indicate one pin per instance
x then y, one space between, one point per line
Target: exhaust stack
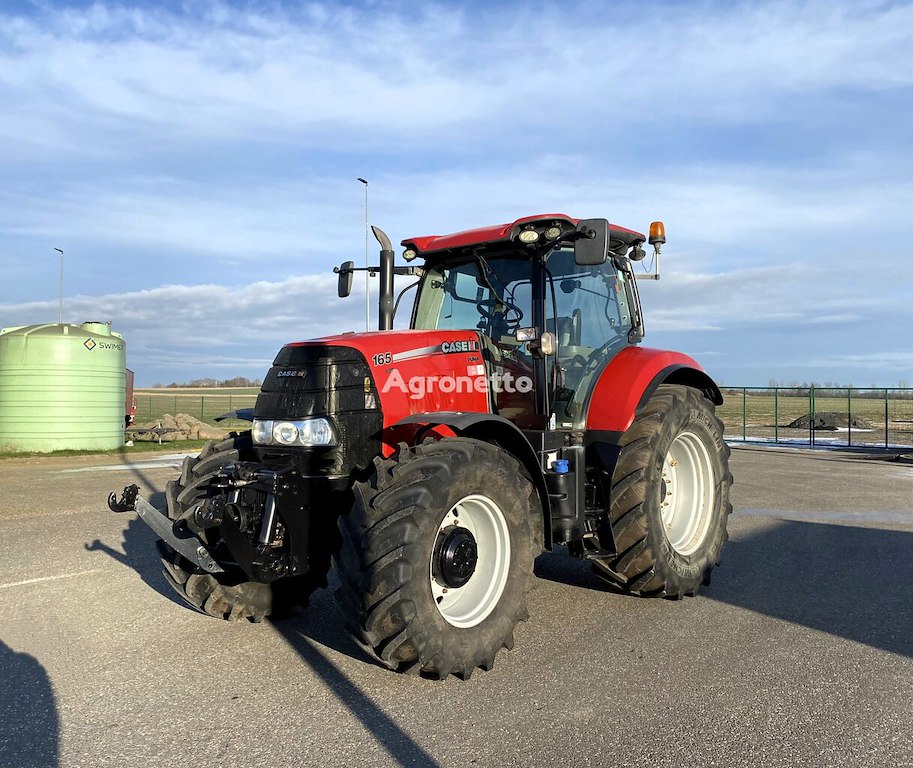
385 295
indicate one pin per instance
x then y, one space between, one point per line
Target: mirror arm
375 270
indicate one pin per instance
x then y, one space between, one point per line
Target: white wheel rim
687 493
471 604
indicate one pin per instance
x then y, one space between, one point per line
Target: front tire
670 497
437 557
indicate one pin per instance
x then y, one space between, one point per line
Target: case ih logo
449 347
89 344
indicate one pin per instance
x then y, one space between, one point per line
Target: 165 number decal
382 358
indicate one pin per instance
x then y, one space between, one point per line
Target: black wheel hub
455 556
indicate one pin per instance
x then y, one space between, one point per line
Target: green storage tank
61 387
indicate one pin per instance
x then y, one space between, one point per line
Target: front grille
313 381
332 381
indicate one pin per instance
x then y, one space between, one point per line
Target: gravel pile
830 421
183 426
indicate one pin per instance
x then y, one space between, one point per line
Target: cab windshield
493 296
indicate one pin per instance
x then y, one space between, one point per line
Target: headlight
528 236
306 432
285 433
316 432
262 432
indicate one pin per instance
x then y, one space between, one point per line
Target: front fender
242 414
632 376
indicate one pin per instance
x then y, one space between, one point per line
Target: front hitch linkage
187 545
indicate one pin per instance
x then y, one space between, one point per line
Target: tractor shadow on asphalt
322 621
321 624
140 553
848 581
558 566
29 722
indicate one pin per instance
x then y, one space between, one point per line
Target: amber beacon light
657 234
656 239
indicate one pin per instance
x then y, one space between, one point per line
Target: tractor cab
552 302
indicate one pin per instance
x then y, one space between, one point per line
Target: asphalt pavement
799 653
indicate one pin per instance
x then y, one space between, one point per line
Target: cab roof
498 233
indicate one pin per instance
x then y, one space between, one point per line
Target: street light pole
367 280
60 308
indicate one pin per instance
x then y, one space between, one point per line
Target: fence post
744 414
886 419
776 414
811 421
202 401
849 417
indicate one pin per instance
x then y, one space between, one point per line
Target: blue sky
197 163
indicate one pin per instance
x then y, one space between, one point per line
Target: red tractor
435 464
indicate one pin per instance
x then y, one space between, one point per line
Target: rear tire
437 555
670 497
222 596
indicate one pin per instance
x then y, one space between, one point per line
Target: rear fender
631 377
489 428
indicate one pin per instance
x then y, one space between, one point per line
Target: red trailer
129 399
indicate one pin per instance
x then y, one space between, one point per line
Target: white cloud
832 319
220 146
272 218
400 77
894 360
199 327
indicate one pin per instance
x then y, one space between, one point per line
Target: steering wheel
594 359
493 316
486 313
575 367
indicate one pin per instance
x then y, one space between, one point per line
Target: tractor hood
391 374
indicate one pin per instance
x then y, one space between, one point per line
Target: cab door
591 319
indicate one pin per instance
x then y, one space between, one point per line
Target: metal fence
152 405
790 415
823 416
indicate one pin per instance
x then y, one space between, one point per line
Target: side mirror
591 248
346 272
